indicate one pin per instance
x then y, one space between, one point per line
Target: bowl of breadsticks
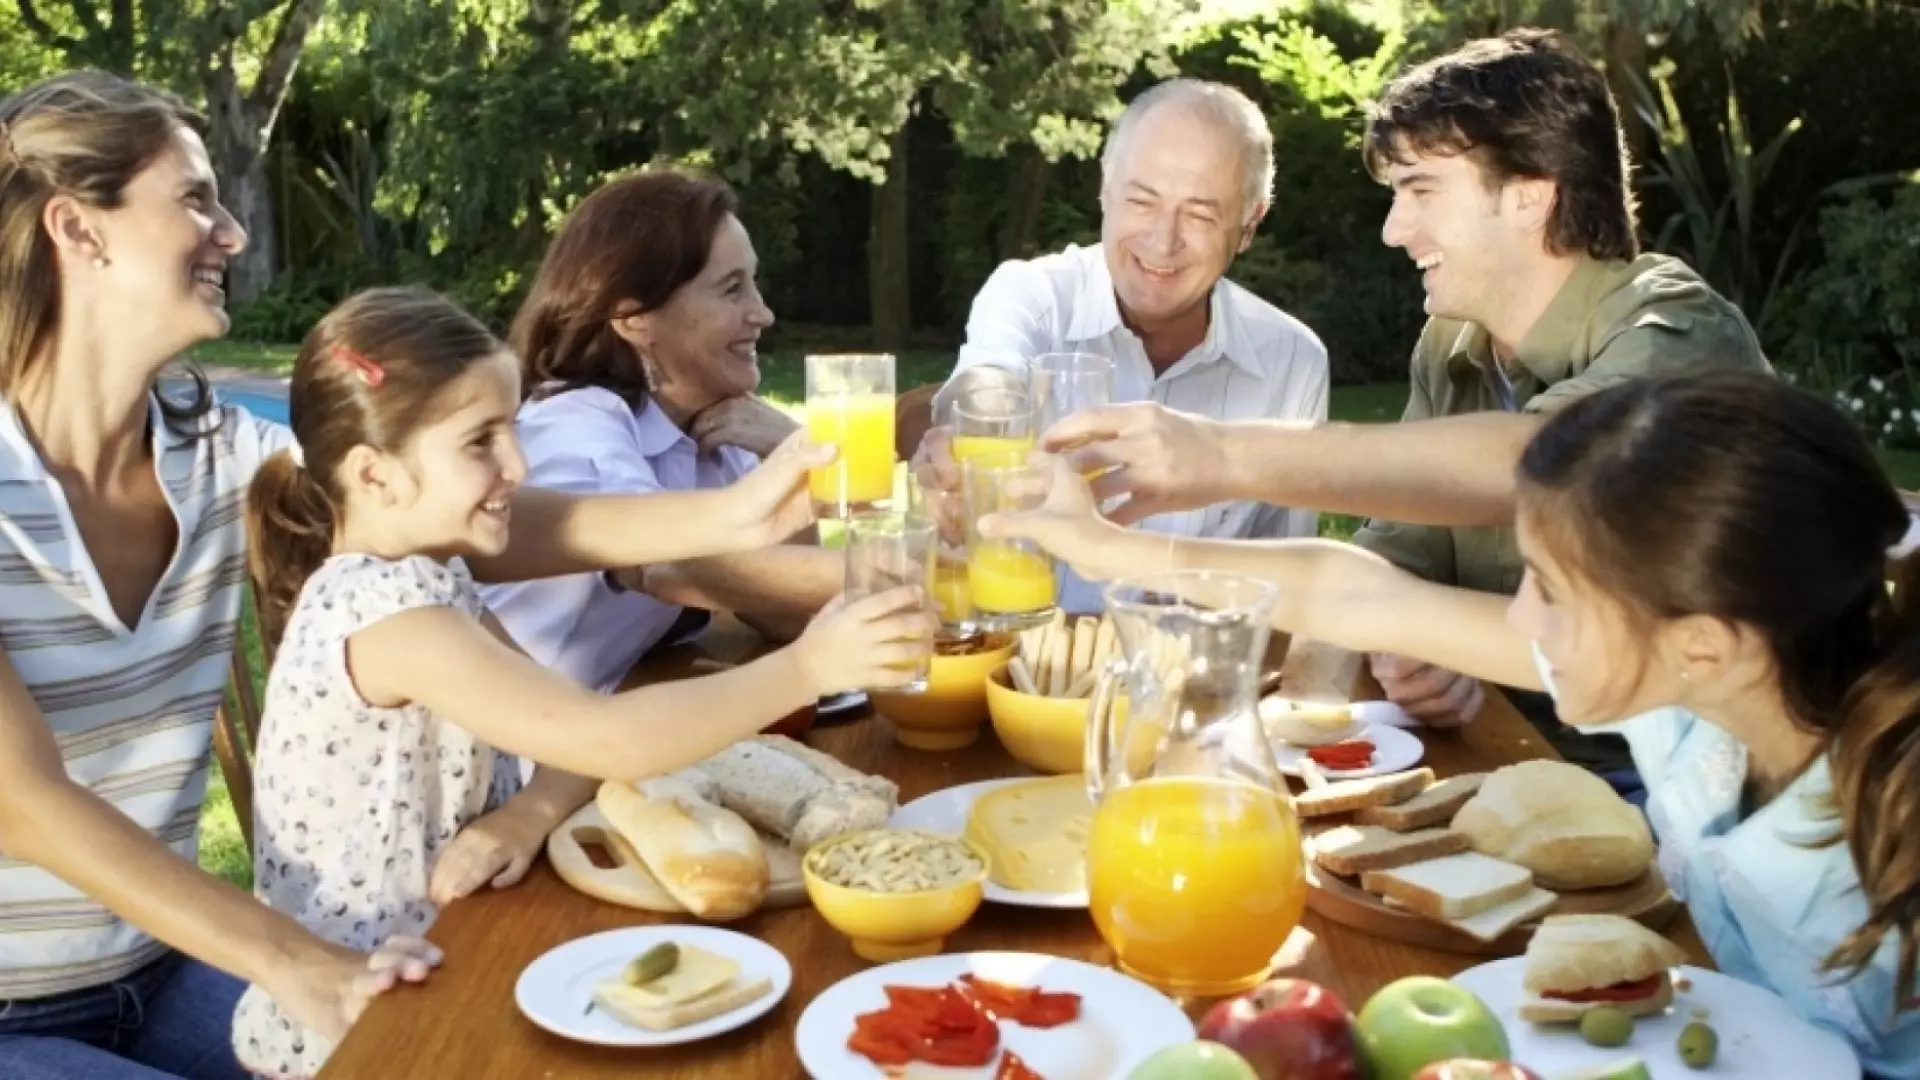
950 712
1041 701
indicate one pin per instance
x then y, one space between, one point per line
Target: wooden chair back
912 416
236 728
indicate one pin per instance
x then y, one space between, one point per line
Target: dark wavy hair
1734 495
1525 104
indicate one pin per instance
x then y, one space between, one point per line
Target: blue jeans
171 1020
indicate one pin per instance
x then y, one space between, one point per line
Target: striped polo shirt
131 708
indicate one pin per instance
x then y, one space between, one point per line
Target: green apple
1418 1020
1624 1069
1196 1060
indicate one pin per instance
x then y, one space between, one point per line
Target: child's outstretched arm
556 533
1329 591
454 665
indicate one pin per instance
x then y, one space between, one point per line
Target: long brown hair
1731 494
1524 104
371 373
86 135
626 249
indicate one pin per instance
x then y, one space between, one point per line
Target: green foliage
1856 316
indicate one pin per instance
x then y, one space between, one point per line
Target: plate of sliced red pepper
1377 749
986 1016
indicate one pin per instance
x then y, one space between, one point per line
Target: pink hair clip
369 372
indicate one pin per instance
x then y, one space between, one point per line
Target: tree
145 40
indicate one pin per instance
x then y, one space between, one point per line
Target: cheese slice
1035 833
699 972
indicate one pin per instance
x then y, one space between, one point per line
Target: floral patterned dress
354 803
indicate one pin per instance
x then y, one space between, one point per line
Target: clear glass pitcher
1195 872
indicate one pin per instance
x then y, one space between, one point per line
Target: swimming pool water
266 406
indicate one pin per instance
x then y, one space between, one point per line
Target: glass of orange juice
886 550
850 403
1195 873
992 419
1062 384
1011 582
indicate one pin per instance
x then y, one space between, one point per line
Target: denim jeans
171 1020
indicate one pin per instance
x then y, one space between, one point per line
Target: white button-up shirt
1257 363
590 442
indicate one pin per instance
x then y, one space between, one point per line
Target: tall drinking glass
947 511
1065 383
1011 582
992 420
850 403
886 550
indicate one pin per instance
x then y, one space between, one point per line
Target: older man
1512 200
1187 175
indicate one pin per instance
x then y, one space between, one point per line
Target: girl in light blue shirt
1706 556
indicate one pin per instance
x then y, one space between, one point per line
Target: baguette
797 793
1347 795
1452 886
706 857
1349 850
1433 806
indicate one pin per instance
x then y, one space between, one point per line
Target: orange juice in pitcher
1195 872
1195 883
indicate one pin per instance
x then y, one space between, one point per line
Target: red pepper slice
1024 1005
1012 1068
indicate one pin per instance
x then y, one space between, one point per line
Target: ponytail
290 523
1876 784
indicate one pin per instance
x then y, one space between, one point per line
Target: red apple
1288 1029
1475 1069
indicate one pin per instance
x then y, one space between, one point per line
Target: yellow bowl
888 926
949 713
1050 733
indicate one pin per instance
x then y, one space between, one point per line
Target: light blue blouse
1771 901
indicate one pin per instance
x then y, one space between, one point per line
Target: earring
99 262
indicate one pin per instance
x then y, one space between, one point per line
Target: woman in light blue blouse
1706 558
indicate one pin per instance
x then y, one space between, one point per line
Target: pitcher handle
1102 736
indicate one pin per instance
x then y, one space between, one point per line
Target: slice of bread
1355 849
1349 795
1494 923
633 1008
1434 806
1452 886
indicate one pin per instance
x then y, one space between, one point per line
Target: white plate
555 990
1393 750
945 811
1760 1038
1122 1020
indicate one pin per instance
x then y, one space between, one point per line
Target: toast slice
1354 849
1452 886
1495 923
1349 795
635 1009
1434 806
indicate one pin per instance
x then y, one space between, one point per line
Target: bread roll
706 856
1561 822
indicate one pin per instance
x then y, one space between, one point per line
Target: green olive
1698 1044
1605 1025
652 964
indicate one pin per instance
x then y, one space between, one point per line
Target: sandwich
1577 962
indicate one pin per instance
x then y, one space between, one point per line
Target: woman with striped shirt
122 567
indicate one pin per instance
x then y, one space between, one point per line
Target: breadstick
1085 629
1054 663
1103 643
1022 676
1083 685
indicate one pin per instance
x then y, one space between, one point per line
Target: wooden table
462 1023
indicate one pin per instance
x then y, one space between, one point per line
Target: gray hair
1225 108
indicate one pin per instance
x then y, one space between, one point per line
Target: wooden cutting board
631 884
1645 899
